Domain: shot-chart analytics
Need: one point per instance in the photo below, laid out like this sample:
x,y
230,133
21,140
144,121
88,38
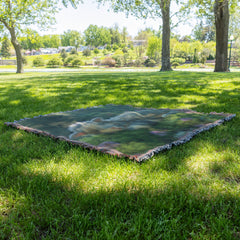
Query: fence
x,y
8,62
235,64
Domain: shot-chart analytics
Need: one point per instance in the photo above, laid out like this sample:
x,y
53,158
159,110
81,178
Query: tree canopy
x,y
234,25
71,38
22,13
5,49
17,15
97,36
145,9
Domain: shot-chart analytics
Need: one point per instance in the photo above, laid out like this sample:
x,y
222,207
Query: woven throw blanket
x,y
122,130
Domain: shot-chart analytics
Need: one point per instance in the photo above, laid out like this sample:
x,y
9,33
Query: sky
x,y
88,13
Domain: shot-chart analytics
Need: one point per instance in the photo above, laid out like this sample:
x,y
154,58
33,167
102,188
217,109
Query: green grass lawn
x,y
51,190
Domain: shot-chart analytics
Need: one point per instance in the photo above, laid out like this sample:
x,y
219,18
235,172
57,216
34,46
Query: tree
x,y
144,9
165,9
234,25
115,35
205,32
221,10
15,15
124,35
186,38
63,54
97,36
154,48
50,41
72,38
31,41
5,50
144,35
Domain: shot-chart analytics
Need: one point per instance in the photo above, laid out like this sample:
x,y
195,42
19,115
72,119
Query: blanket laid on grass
x,y
125,131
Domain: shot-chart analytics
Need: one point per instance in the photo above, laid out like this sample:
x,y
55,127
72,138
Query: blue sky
x,y
89,13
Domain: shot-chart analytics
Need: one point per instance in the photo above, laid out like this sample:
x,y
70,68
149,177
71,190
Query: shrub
x,y
153,48
211,57
138,62
203,59
195,56
150,62
86,52
236,54
24,60
122,45
115,46
96,50
178,60
131,46
109,48
175,64
119,60
73,61
97,62
105,52
74,51
125,50
63,54
38,62
130,63
68,60
180,54
195,59
126,59
109,61
118,52
76,62
54,62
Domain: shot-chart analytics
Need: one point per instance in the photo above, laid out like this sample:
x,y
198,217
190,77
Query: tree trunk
x,y
17,48
165,8
221,12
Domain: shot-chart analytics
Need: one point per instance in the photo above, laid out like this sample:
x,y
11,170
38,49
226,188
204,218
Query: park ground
x,y
51,190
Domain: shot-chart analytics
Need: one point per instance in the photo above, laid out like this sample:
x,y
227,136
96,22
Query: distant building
x,y
33,52
102,47
82,48
67,48
48,50
137,43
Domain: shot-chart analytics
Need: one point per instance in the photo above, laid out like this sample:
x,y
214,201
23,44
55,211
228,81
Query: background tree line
x,y
94,36
196,48
17,15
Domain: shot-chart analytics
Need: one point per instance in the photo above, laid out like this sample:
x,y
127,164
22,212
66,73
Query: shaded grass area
x,y
51,190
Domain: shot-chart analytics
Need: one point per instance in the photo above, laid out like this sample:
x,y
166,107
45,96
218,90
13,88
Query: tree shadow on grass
x,y
73,92
56,92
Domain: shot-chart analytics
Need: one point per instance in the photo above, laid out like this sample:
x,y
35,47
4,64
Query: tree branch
x,y
5,23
